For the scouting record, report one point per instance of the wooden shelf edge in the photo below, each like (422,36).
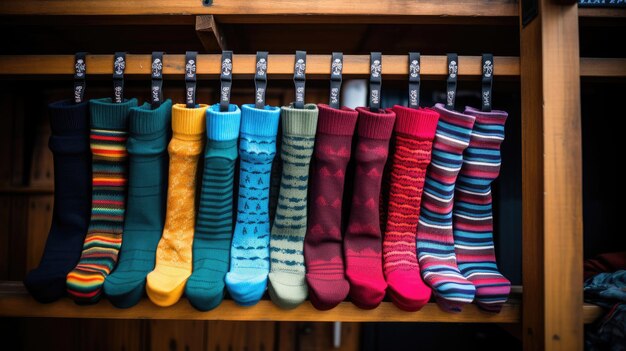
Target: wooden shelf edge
(602,67)
(17,190)
(15,302)
(484,8)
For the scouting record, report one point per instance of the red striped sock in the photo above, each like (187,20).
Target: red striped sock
(415,131)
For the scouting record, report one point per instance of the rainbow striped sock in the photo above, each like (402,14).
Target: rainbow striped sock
(104,237)
(435,242)
(473,217)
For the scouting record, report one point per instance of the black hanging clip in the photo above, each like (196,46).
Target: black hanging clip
(336,69)
(260,79)
(226,79)
(119,65)
(191,58)
(376,81)
(487,82)
(299,78)
(80,68)
(414,79)
(156,97)
(453,73)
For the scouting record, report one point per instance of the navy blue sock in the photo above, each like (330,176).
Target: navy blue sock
(69,143)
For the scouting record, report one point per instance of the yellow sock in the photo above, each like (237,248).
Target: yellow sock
(166,283)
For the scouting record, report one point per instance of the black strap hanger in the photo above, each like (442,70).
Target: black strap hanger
(226,79)
(376,81)
(80,68)
(299,78)
(119,65)
(414,79)
(487,81)
(260,79)
(191,58)
(336,69)
(156,97)
(453,72)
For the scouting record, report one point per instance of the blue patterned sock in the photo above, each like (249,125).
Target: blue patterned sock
(249,265)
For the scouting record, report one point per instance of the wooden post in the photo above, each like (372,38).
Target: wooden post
(552,180)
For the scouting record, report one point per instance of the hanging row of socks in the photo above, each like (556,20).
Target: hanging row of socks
(130,218)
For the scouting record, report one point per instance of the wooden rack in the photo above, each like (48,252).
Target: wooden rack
(549,68)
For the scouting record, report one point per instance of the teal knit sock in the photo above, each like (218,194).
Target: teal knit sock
(145,213)
(214,222)
(287,286)
(249,265)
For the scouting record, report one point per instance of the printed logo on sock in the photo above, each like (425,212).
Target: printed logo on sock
(78,93)
(450,97)
(334,95)
(375,96)
(155,93)
(413,97)
(119,65)
(225,93)
(117,94)
(300,67)
(190,95)
(488,68)
(259,94)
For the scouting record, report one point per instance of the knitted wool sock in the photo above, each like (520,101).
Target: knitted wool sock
(69,144)
(214,225)
(166,283)
(143,225)
(249,265)
(109,126)
(363,240)
(287,286)
(323,241)
(473,217)
(415,130)
(435,243)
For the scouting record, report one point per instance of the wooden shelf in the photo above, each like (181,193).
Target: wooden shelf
(602,67)
(244,65)
(15,302)
(282,8)
(26,190)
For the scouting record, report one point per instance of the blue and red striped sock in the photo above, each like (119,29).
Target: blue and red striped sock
(473,217)
(435,242)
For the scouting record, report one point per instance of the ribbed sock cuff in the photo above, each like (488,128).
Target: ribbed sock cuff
(494,116)
(461,119)
(105,114)
(420,123)
(300,121)
(336,121)
(146,122)
(68,118)
(375,125)
(259,122)
(188,123)
(223,125)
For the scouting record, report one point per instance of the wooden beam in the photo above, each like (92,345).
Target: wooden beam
(603,67)
(244,65)
(552,264)
(209,32)
(471,8)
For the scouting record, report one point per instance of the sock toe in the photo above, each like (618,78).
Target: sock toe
(204,296)
(287,290)
(165,285)
(123,294)
(327,294)
(367,293)
(246,289)
(45,288)
(85,286)
(407,290)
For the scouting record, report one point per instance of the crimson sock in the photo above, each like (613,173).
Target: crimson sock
(415,131)
(322,243)
(362,243)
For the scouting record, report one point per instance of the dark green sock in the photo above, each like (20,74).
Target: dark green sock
(145,213)
(214,223)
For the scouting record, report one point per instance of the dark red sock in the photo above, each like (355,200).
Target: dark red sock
(363,240)
(322,243)
(415,131)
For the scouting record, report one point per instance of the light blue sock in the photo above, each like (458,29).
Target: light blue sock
(249,265)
